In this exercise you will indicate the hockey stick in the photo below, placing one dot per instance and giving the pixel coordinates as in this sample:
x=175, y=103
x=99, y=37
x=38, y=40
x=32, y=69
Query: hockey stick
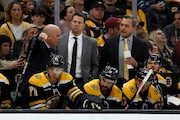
x=140, y=87
x=24, y=69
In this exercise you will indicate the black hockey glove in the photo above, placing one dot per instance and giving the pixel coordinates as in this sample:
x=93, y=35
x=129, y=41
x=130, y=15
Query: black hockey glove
x=87, y=104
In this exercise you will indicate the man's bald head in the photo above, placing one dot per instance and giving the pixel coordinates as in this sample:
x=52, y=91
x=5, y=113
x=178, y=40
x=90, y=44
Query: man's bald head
x=50, y=28
x=53, y=34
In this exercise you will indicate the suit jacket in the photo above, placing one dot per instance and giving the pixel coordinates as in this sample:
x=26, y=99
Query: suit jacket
x=39, y=58
x=89, y=58
x=110, y=53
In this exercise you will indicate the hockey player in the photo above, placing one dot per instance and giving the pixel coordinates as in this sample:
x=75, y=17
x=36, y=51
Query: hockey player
x=5, y=97
x=154, y=63
x=47, y=90
x=148, y=96
x=105, y=88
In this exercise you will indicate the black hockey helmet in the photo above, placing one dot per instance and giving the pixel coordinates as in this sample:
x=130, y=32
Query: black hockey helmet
x=154, y=57
x=110, y=73
x=143, y=72
x=56, y=61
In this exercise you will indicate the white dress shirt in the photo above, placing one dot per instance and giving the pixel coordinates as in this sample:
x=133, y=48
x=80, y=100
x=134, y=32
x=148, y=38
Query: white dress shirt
x=79, y=53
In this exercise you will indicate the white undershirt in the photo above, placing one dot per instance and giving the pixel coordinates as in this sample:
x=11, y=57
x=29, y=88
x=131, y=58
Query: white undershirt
x=71, y=41
x=17, y=31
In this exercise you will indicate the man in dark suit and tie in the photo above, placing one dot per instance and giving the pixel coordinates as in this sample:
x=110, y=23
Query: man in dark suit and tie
x=39, y=51
x=113, y=52
x=79, y=52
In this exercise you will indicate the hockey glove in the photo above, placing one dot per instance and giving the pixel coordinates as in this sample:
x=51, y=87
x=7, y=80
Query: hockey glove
x=90, y=105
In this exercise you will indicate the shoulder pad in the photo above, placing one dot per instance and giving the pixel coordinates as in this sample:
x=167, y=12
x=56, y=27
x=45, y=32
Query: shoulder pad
x=39, y=79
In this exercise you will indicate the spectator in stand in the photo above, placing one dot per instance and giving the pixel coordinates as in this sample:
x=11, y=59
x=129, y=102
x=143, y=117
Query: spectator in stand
x=14, y=25
x=49, y=6
x=141, y=33
x=39, y=17
x=28, y=6
x=9, y=66
x=5, y=97
x=21, y=46
x=49, y=3
x=88, y=32
x=166, y=53
x=141, y=15
x=174, y=6
x=114, y=47
x=111, y=10
x=95, y=22
x=65, y=19
x=112, y=25
x=119, y=3
x=7, y=62
x=172, y=31
x=105, y=88
x=157, y=14
x=78, y=6
x=143, y=4
x=154, y=49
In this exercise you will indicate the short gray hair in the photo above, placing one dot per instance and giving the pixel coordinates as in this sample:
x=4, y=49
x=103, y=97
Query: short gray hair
x=134, y=19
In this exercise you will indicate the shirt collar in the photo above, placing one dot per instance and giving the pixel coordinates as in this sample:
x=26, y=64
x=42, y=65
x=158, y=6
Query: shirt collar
x=46, y=44
x=129, y=38
x=71, y=35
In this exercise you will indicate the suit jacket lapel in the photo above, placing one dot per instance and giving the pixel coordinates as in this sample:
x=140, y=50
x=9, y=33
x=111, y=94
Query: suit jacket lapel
x=84, y=46
x=66, y=49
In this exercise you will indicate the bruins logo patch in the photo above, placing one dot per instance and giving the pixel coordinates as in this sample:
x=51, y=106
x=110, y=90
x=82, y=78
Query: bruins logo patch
x=38, y=76
x=132, y=89
x=168, y=81
x=94, y=86
x=174, y=9
x=156, y=91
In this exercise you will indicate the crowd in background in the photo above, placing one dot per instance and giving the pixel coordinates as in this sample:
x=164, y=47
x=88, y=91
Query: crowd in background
x=116, y=51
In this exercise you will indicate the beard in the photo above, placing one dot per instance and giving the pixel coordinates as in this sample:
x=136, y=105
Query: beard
x=105, y=90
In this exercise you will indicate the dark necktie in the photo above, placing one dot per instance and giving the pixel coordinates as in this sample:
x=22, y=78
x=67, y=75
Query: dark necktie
x=51, y=51
x=74, y=55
